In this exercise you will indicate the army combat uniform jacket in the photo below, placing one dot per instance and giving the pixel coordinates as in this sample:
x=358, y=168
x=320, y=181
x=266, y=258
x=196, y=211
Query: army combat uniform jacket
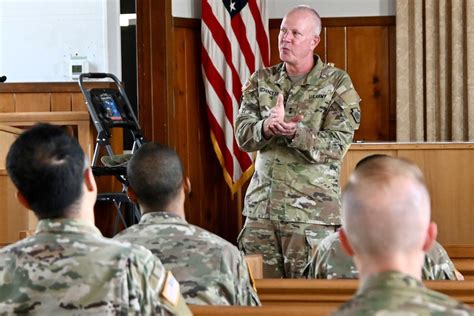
x=331, y=262
x=67, y=267
x=209, y=269
x=395, y=293
x=298, y=180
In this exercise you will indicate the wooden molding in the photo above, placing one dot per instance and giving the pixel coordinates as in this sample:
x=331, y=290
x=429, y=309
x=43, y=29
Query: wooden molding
x=194, y=23
x=46, y=87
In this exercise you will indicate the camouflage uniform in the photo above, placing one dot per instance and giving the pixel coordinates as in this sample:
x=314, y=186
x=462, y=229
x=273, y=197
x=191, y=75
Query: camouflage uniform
x=296, y=181
x=395, y=293
x=209, y=269
x=67, y=267
x=331, y=262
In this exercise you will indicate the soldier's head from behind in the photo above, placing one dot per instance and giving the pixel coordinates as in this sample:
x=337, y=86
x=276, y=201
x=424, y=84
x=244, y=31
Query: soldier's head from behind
x=155, y=175
x=51, y=173
x=386, y=217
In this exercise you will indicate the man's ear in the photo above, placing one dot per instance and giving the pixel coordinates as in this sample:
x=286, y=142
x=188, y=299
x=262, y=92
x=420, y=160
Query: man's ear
x=187, y=185
x=23, y=201
x=431, y=235
x=315, y=41
x=89, y=180
x=346, y=246
x=132, y=195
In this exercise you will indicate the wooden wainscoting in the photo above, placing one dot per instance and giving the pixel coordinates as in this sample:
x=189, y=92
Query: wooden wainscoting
x=449, y=174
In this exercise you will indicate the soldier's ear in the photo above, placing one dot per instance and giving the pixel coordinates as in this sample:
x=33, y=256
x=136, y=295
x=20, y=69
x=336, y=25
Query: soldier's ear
x=315, y=41
x=23, y=201
x=346, y=246
x=132, y=195
x=430, y=238
x=187, y=185
x=89, y=180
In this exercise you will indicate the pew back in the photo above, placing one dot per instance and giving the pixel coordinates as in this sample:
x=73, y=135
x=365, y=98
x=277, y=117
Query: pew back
x=277, y=292
x=463, y=259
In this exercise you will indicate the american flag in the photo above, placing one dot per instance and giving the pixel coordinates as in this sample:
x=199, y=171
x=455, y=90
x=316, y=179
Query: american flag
x=234, y=37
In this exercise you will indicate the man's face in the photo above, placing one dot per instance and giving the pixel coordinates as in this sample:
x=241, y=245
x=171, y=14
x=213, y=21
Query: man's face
x=297, y=39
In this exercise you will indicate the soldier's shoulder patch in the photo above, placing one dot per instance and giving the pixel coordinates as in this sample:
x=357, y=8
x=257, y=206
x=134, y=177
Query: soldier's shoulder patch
x=170, y=289
x=248, y=85
x=355, y=112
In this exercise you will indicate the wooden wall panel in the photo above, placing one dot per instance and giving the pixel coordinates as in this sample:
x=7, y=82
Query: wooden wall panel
x=7, y=102
x=368, y=45
x=273, y=36
x=449, y=176
x=78, y=102
x=33, y=102
x=336, y=46
x=60, y=102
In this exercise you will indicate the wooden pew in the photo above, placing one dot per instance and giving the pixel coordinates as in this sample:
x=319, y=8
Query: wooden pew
x=207, y=310
x=463, y=259
x=318, y=297
x=332, y=293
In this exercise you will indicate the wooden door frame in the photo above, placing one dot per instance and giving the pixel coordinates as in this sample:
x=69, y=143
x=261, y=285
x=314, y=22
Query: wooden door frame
x=155, y=93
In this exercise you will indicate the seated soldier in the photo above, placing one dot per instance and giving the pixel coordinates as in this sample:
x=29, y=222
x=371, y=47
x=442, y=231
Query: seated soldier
x=67, y=267
x=386, y=228
x=210, y=270
x=331, y=262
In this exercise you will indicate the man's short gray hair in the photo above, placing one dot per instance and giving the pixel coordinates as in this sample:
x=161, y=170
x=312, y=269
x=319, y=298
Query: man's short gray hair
x=317, y=18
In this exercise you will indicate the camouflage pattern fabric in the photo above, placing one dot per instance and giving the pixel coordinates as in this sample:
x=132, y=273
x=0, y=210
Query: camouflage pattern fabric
x=298, y=180
x=67, y=267
x=285, y=247
x=395, y=293
x=331, y=262
x=209, y=269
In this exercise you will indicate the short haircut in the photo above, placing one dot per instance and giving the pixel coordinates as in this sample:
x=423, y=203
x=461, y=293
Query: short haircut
x=368, y=158
x=386, y=207
x=47, y=166
x=314, y=13
x=155, y=174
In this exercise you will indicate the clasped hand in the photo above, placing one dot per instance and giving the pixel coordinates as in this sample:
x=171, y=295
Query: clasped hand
x=275, y=125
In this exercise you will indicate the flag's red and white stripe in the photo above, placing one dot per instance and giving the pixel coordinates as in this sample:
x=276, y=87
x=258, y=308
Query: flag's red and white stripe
x=232, y=49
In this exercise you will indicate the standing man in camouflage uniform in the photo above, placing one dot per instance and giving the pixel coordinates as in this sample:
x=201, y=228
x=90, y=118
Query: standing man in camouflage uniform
x=386, y=228
x=331, y=262
x=67, y=267
x=210, y=269
x=300, y=116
